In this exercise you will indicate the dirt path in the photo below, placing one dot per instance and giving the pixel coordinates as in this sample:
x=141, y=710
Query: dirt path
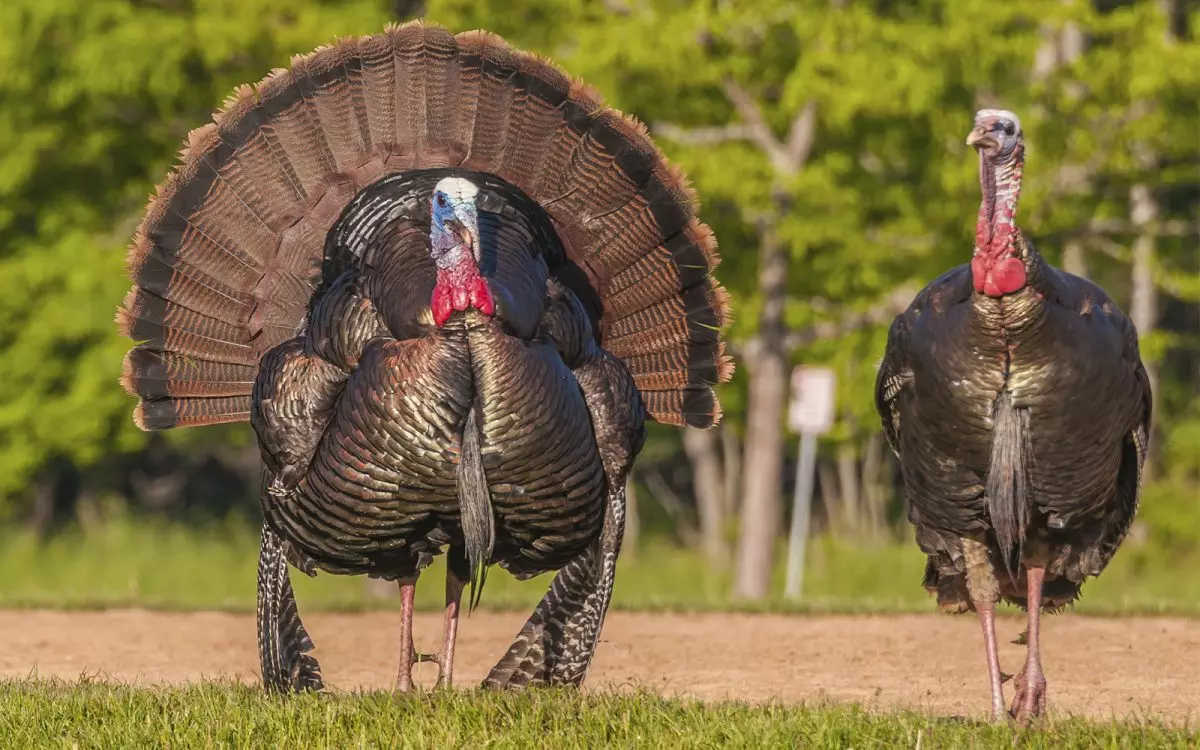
x=1096, y=667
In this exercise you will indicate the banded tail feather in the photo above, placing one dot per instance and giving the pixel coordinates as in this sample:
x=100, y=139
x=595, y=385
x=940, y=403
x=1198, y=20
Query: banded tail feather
x=230, y=249
x=283, y=641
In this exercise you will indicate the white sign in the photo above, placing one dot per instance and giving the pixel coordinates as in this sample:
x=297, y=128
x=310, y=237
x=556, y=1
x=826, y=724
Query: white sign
x=814, y=398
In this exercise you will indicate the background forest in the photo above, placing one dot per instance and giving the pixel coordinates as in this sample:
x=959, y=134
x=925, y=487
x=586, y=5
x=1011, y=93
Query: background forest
x=826, y=141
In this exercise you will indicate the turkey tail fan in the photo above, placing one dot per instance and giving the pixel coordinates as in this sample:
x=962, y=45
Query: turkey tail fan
x=229, y=252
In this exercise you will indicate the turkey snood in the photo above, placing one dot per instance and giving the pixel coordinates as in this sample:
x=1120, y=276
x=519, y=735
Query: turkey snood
x=996, y=268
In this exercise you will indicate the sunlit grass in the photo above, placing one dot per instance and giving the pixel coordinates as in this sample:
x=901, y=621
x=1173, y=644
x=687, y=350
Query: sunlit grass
x=99, y=715
x=128, y=563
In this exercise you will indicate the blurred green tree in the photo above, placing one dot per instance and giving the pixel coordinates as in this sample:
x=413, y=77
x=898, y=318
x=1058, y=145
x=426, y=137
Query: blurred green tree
x=97, y=99
x=825, y=138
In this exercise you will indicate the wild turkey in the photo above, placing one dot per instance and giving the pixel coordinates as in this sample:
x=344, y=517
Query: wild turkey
x=1015, y=398
x=446, y=285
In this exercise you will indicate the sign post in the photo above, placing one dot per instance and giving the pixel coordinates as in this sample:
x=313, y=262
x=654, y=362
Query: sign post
x=810, y=413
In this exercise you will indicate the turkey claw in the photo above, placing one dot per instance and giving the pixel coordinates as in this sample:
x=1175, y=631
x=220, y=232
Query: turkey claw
x=1029, y=701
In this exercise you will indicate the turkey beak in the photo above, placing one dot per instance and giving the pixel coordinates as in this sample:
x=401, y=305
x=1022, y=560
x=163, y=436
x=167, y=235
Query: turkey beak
x=467, y=229
x=460, y=230
x=466, y=236
x=979, y=138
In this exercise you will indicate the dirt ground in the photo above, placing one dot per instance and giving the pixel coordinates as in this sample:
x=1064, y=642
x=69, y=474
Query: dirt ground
x=1095, y=666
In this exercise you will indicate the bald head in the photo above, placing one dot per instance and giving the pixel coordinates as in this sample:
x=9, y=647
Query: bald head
x=996, y=133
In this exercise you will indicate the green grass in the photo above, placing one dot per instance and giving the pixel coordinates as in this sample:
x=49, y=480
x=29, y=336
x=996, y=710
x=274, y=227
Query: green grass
x=125, y=563
x=88, y=714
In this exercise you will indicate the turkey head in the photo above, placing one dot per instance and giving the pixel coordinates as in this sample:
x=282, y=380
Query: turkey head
x=996, y=267
x=455, y=249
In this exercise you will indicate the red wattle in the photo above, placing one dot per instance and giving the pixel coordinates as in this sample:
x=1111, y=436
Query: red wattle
x=460, y=288
x=462, y=298
x=1008, y=275
x=978, y=272
x=441, y=304
x=999, y=277
x=481, y=297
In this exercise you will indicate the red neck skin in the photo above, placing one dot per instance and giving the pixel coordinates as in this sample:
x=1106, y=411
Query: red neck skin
x=458, y=288
x=996, y=267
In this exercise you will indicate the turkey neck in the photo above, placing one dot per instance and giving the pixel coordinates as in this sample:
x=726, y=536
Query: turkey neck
x=1009, y=276
x=997, y=266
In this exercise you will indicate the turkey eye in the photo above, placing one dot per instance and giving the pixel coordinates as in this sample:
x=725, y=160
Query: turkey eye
x=1009, y=129
x=441, y=200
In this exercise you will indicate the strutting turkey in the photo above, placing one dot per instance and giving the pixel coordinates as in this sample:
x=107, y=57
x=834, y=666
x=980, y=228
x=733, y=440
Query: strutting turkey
x=1014, y=397
x=446, y=285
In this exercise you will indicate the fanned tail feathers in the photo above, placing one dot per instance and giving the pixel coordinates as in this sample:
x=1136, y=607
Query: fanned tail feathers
x=229, y=251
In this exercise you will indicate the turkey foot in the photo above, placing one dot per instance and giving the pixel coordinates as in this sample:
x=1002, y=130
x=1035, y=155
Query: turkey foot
x=1029, y=701
x=1030, y=698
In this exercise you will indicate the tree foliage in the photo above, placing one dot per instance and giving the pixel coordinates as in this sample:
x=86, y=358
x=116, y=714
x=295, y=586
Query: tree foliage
x=97, y=98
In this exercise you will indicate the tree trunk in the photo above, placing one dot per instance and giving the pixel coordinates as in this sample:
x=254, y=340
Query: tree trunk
x=1143, y=295
x=827, y=479
x=675, y=508
x=763, y=463
x=633, y=521
x=1074, y=259
x=847, y=469
x=731, y=459
x=42, y=516
x=873, y=492
x=703, y=451
x=404, y=10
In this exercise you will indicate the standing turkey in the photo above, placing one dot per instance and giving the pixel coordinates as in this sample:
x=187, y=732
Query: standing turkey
x=446, y=286
x=1015, y=398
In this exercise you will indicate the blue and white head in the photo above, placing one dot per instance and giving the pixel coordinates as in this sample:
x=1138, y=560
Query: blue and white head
x=454, y=224
x=996, y=133
x=454, y=245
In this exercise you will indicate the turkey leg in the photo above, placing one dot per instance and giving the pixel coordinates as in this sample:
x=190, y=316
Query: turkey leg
x=408, y=654
x=984, y=591
x=1030, y=698
x=444, y=658
x=987, y=619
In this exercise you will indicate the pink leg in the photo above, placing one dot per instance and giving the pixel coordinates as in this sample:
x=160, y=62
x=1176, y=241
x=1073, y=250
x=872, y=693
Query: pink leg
x=987, y=618
x=408, y=654
x=1030, y=698
x=445, y=655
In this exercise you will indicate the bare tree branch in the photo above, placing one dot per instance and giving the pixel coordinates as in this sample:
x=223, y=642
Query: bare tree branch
x=787, y=158
x=705, y=136
x=880, y=312
x=670, y=502
x=1119, y=252
x=759, y=130
x=842, y=322
x=802, y=135
x=1109, y=227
